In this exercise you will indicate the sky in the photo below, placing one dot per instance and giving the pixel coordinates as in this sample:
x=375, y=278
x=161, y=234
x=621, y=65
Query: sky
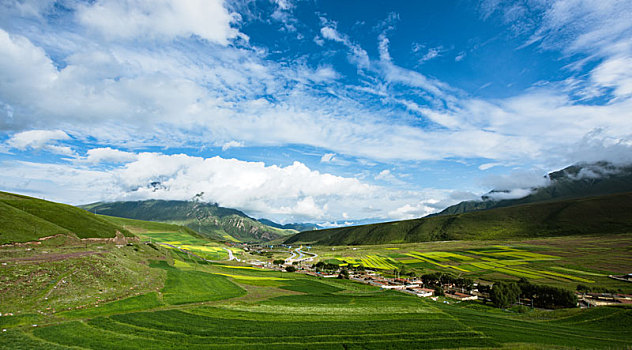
x=309, y=111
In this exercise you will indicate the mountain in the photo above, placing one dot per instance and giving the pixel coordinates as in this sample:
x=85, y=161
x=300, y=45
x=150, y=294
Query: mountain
x=294, y=226
x=576, y=181
x=211, y=220
x=608, y=214
x=24, y=219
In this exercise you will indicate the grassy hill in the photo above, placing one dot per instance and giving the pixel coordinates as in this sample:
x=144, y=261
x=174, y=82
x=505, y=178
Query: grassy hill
x=24, y=219
x=211, y=220
x=594, y=215
x=576, y=181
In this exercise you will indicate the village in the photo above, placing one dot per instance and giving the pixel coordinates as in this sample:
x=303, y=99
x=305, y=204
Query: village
x=426, y=286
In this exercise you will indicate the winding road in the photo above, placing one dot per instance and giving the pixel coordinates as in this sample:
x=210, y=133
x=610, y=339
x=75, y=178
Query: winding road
x=302, y=256
x=231, y=256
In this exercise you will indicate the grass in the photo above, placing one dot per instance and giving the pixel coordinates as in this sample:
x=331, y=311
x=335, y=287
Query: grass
x=24, y=219
x=198, y=305
x=184, y=287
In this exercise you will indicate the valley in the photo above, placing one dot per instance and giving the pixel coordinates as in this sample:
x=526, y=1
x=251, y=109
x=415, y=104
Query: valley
x=164, y=285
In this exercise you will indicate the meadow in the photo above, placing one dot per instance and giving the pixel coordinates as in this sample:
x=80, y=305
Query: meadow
x=198, y=304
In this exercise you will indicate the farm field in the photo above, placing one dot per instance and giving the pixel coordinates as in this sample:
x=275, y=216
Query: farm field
x=554, y=261
x=149, y=295
x=175, y=237
x=209, y=305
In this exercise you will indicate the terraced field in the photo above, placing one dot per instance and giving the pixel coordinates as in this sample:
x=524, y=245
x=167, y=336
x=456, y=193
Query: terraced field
x=174, y=237
x=206, y=306
x=554, y=261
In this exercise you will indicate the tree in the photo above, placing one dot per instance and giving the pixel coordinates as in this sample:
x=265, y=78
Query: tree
x=290, y=268
x=344, y=274
x=438, y=291
x=279, y=262
x=504, y=294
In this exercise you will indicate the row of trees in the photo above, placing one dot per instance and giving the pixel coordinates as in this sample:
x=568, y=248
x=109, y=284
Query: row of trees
x=504, y=294
x=442, y=279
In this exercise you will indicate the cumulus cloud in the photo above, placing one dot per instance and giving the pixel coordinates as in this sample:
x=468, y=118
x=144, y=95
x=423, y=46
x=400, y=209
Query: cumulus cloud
x=41, y=140
x=291, y=193
x=162, y=19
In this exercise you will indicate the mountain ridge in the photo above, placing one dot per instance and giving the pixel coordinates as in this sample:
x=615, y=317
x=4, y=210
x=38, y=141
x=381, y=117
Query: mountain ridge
x=575, y=181
x=606, y=214
x=211, y=220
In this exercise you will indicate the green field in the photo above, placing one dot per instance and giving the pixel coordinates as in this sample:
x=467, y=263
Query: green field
x=146, y=294
x=558, y=261
x=203, y=305
x=174, y=237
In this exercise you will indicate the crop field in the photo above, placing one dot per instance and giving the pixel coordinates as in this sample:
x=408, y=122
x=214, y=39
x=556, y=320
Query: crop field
x=206, y=305
x=175, y=237
x=554, y=261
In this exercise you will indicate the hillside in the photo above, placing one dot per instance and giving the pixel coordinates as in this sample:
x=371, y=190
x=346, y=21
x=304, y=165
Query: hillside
x=576, y=181
x=595, y=215
x=24, y=219
x=211, y=220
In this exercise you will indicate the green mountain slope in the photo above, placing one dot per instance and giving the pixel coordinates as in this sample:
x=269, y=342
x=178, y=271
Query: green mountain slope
x=575, y=181
x=595, y=215
x=211, y=220
x=24, y=219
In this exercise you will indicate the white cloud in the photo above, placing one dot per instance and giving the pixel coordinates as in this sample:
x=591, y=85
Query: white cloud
x=108, y=155
x=432, y=53
x=412, y=211
x=488, y=166
x=232, y=144
x=40, y=139
x=357, y=54
x=159, y=19
x=615, y=73
x=327, y=157
x=509, y=194
x=292, y=193
x=516, y=180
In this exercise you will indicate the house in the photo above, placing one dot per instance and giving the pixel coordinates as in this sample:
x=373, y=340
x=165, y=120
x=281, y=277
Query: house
x=393, y=286
x=422, y=292
x=461, y=296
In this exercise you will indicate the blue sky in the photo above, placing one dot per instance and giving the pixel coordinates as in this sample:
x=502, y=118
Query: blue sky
x=308, y=110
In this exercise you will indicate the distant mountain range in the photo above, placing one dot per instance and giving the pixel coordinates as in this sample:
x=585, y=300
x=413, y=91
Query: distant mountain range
x=294, y=226
x=211, y=220
x=580, y=199
x=575, y=181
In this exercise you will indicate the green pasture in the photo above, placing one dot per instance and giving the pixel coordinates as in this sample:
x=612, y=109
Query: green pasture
x=209, y=308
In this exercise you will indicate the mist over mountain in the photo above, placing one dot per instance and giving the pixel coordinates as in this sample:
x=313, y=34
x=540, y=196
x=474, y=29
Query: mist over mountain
x=575, y=181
